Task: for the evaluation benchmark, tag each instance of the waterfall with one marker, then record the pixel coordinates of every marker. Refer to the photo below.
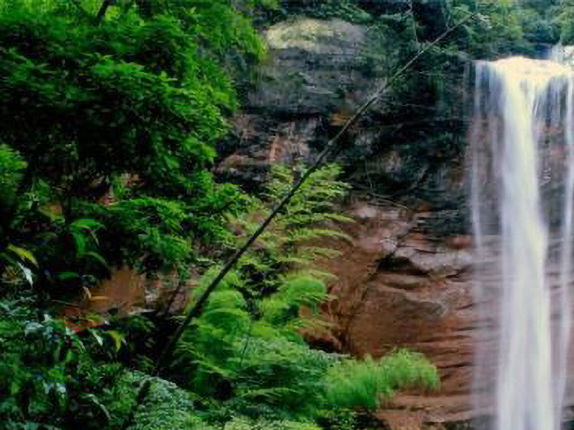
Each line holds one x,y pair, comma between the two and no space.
522,155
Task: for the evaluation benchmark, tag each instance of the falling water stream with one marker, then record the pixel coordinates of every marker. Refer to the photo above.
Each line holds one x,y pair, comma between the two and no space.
522,154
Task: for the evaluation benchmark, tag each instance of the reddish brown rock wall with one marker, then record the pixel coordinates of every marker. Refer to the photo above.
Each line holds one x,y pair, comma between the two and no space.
398,288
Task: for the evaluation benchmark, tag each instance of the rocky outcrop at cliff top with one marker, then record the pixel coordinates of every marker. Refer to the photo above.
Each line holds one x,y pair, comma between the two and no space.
314,68
314,76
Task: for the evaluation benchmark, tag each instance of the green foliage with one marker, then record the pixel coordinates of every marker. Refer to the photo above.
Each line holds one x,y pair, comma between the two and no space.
539,27
166,407
151,231
47,376
276,373
115,120
68,246
361,384
12,167
562,16
495,29
260,367
347,10
339,419
292,241
260,360
286,304
264,297
262,424
113,113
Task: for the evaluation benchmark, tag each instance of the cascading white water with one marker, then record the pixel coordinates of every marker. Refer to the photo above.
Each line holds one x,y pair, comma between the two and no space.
522,153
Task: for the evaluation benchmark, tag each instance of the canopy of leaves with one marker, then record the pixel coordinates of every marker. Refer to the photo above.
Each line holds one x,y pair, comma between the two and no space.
110,113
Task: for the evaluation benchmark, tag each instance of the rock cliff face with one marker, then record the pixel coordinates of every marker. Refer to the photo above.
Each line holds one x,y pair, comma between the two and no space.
396,288
409,147
315,76
403,279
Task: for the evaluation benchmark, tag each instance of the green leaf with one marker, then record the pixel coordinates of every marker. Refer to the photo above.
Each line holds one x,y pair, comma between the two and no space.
87,223
97,257
117,338
97,337
23,254
80,242
67,275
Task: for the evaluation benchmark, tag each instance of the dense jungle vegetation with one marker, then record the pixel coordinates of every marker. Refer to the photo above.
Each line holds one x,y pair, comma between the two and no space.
110,113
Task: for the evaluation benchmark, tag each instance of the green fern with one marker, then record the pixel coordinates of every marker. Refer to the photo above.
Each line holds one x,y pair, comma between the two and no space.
247,349
363,384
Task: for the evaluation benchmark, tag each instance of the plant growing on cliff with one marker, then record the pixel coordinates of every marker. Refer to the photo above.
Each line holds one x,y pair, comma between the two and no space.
293,240
261,366
261,301
363,384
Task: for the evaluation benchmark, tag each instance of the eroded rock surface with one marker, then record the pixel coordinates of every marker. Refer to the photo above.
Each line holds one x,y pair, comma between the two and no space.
399,288
317,72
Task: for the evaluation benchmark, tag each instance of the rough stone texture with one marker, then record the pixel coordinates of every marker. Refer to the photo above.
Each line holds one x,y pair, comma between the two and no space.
314,66
399,288
317,73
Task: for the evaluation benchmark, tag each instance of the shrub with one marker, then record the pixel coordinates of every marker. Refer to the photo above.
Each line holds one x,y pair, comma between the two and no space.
47,377
115,120
167,406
